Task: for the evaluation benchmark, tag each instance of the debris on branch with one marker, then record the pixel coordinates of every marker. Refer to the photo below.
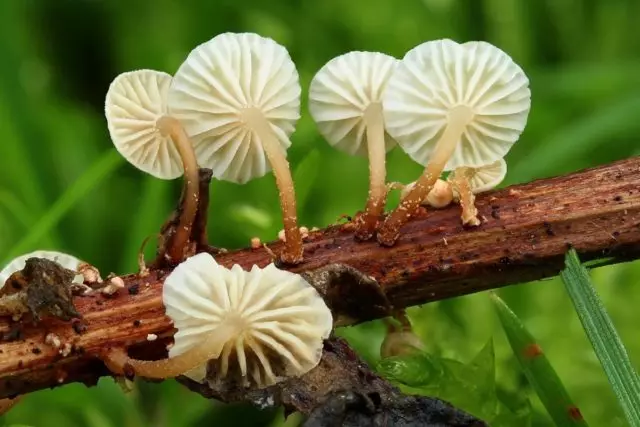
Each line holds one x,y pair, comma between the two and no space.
342,391
524,234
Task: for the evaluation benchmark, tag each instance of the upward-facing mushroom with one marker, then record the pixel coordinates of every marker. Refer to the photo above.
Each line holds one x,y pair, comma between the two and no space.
345,100
450,105
152,141
238,96
249,327
467,182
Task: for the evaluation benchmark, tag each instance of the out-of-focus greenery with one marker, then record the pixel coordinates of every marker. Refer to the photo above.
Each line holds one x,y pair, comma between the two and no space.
59,56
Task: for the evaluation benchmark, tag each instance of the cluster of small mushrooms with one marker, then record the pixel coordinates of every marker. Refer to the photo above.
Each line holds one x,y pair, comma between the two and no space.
231,107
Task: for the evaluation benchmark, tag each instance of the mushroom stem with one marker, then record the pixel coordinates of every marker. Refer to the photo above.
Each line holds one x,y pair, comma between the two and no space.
256,120
119,362
172,127
374,122
460,181
458,119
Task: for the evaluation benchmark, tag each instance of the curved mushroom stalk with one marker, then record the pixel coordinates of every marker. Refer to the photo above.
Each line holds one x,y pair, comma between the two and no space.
374,122
119,362
169,126
460,180
458,119
255,119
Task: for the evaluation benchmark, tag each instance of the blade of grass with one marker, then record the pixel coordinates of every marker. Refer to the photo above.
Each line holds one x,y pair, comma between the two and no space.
603,336
537,368
105,165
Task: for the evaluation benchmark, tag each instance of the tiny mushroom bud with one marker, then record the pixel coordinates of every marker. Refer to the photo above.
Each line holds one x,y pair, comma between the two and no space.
238,96
152,141
450,105
256,243
467,182
250,327
440,196
345,100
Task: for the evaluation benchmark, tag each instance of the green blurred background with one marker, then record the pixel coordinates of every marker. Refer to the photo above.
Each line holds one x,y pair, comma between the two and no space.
63,186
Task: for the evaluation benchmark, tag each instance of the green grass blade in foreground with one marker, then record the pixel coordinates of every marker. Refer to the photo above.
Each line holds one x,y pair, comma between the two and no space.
536,367
105,165
603,336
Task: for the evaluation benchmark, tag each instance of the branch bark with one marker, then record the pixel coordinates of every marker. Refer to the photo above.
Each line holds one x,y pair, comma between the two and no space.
525,232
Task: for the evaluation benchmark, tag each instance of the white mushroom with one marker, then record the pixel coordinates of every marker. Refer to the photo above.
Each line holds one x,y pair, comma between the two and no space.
450,105
345,100
258,326
67,261
440,196
152,141
466,182
238,96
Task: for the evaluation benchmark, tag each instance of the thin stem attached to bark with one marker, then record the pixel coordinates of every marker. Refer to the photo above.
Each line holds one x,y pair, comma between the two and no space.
459,117
256,120
177,246
374,122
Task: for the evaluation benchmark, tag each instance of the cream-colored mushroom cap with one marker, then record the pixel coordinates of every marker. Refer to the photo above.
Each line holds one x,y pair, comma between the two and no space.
135,101
221,78
341,92
283,319
67,261
487,177
436,77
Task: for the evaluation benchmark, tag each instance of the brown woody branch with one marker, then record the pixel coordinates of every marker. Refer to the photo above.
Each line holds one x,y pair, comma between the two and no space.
525,232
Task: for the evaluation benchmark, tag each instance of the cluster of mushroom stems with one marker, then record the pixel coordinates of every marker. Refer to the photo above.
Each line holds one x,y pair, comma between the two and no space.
231,107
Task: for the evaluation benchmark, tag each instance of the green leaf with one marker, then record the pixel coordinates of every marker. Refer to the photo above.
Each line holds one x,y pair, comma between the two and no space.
105,165
603,336
415,370
471,387
536,367
304,177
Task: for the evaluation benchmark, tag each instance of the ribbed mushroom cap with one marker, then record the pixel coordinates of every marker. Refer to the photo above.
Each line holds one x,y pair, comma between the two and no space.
284,319
219,79
135,101
437,76
17,264
487,177
340,93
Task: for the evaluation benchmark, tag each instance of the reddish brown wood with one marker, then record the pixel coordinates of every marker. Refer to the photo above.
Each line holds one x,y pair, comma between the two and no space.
525,232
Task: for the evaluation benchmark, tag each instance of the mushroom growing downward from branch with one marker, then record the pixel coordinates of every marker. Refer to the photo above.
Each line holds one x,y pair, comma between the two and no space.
451,105
345,101
154,142
250,328
238,96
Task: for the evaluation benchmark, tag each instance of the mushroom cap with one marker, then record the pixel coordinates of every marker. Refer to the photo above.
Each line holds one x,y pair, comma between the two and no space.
284,319
135,101
67,261
487,177
437,76
341,92
219,79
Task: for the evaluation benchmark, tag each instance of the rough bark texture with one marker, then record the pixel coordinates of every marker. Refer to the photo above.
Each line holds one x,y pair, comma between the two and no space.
525,232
